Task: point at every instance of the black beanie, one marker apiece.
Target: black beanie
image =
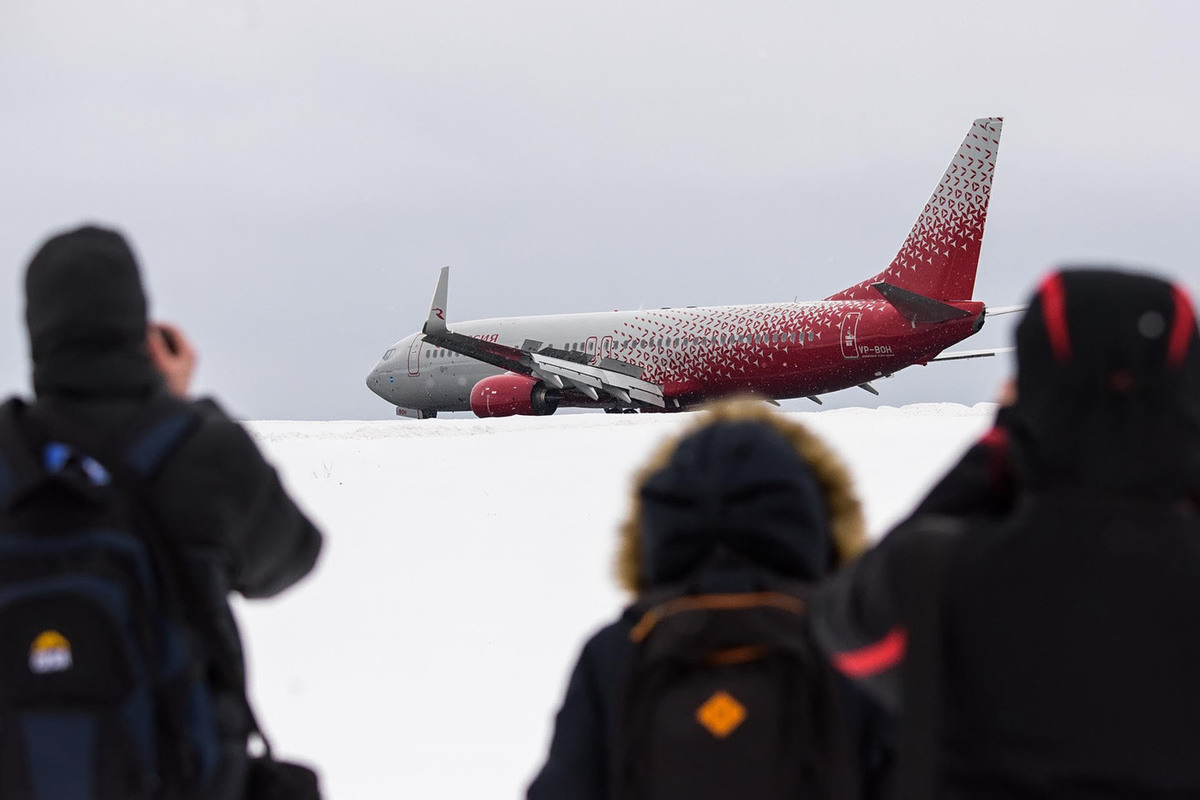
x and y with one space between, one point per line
738 485
83 284
1108 383
86 313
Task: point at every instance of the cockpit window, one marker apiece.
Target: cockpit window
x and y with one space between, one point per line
388 354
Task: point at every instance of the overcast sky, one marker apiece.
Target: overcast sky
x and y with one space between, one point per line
294 173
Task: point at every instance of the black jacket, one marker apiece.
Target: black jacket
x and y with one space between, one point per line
1069 651
226 516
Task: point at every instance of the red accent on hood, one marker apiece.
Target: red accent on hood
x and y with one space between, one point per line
1181 328
1054 312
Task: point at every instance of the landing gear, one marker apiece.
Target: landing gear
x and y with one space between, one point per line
416 413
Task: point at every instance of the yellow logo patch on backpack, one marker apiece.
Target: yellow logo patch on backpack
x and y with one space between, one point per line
50 652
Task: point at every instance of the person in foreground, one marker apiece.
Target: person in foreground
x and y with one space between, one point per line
105 377
1036 619
709 684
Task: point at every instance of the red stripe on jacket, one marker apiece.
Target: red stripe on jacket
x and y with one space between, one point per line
874 658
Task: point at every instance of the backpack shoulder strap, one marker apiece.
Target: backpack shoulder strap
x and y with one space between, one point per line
133 454
151 448
19 466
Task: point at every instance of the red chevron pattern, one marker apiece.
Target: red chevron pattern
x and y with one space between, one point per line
941 253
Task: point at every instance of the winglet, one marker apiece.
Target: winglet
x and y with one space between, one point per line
436 323
917 308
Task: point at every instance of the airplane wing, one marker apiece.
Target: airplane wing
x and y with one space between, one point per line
558 368
958 355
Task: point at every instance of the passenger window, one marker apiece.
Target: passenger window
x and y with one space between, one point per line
427 354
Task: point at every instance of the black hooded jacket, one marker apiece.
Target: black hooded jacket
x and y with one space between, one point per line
221 505
1070 596
756 485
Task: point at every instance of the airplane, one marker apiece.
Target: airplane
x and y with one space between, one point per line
673 359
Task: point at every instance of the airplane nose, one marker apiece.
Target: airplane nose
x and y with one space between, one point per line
376 381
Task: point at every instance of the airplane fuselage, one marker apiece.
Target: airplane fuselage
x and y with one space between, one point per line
779 350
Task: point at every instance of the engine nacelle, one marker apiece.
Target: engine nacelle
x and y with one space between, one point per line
510 393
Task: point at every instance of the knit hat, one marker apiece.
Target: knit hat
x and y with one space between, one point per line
737 485
86 311
1108 384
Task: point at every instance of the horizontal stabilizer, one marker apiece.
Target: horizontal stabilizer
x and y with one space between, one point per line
1000 311
961 354
917 308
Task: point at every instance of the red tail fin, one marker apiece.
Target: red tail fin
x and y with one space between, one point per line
939 257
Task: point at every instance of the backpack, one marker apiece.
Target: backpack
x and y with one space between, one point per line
102 685
727 696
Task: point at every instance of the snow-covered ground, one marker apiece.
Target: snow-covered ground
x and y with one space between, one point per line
465 562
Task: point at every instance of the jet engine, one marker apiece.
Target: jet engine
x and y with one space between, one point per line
510 393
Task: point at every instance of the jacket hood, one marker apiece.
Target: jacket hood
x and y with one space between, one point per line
747 479
85 309
1108 386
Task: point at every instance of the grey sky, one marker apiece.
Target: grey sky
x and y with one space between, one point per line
293 174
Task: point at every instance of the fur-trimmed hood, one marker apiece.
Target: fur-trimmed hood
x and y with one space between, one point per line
843 512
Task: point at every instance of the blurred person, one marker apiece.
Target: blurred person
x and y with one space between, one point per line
709 684
1034 621
119 444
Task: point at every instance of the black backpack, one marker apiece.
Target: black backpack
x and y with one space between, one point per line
727 696
102 685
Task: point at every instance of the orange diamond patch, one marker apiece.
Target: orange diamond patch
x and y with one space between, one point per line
721 714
